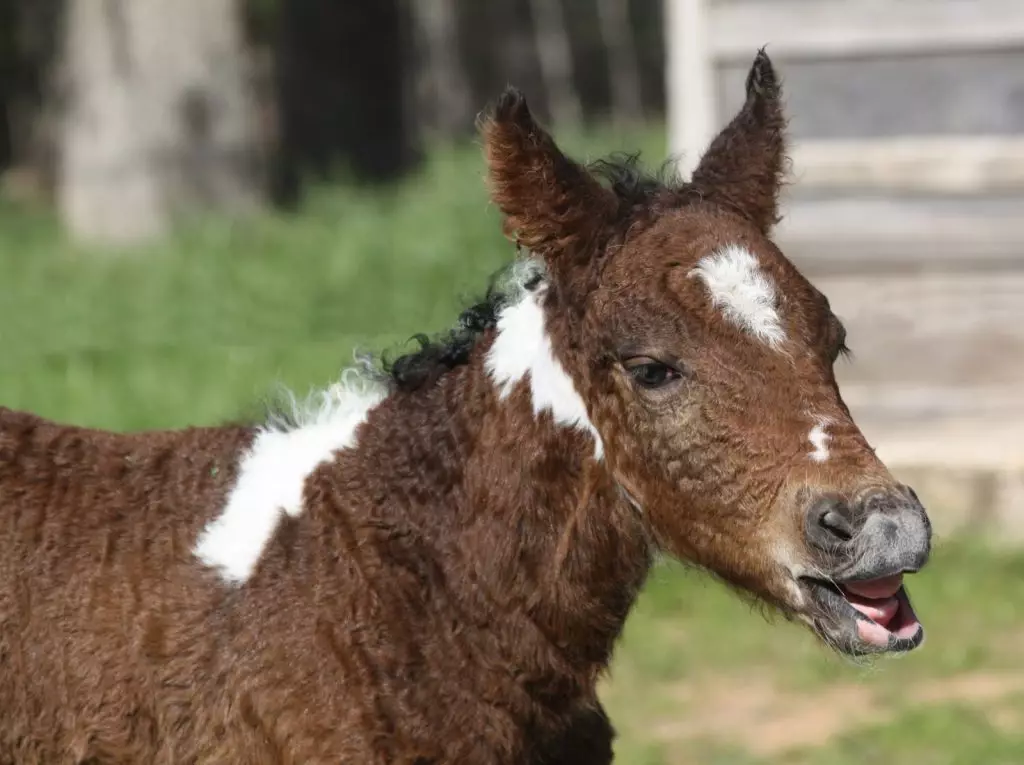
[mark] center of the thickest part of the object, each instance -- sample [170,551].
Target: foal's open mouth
[865,616]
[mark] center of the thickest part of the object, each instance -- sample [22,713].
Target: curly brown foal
[432,563]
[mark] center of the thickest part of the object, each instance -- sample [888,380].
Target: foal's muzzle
[862,550]
[882,533]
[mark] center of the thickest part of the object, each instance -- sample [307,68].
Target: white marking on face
[522,347]
[820,438]
[742,291]
[272,474]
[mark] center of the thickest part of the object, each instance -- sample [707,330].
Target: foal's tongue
[887,617]
[875,589]
[875,598]
[879,611]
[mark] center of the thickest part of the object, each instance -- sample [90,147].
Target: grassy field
[700,678]
[200,329]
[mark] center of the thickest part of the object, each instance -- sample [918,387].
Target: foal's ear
[744,165]
[552,205]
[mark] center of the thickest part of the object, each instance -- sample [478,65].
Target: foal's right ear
[552,205]
[744,166]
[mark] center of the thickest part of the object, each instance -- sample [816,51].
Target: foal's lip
[865,616]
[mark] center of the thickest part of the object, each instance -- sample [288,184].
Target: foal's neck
[533,532]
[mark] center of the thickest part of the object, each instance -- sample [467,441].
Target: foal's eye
[648,373]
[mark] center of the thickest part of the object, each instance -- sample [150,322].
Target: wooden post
[689,82]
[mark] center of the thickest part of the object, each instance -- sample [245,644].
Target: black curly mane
[438,355]
[634,187]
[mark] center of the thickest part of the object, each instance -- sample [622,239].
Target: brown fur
[456,583]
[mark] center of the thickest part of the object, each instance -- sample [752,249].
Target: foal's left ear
[552,205]
[744,166]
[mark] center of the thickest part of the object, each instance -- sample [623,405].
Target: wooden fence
[703,35]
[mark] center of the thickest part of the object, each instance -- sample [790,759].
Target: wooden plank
[841,28]
[931,164]
[891,234]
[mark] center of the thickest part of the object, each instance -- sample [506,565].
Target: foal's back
[75,500]
[95,537]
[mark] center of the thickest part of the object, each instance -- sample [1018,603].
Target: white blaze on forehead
[820,438]
[743,292]
[522,348]
[272,476]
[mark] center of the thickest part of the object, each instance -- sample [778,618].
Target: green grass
[699,674]
[193,329]
[199,329]
[951,734]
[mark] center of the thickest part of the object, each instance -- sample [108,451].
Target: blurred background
[203,199]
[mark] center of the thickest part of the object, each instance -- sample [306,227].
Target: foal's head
[705,361]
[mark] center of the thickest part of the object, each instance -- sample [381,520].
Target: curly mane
[634,186]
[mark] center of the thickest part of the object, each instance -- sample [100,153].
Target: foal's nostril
[829,523]
[834,521]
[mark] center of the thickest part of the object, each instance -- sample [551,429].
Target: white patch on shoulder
[522,347]
[820,438]
[743,292]
[272,473]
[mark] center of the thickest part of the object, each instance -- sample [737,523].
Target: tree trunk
[623,68]
[555,58]
[444,98]
[159,121]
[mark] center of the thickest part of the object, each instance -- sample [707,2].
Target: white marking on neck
[820,438]
[522,347]
[272,474]
[743,292]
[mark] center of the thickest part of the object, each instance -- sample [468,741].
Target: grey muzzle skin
[883,533]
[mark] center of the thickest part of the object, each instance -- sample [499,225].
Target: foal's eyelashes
[839,346]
